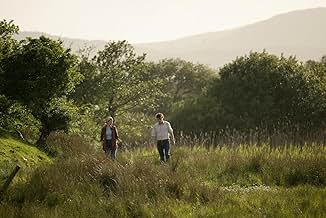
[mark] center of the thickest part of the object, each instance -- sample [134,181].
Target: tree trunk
[41,142]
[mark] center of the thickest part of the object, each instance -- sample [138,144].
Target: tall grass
[198,182]
[232,137]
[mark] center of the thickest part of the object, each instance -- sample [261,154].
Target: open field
[240,181]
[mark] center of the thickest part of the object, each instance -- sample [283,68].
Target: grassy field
[240,181]
[16,152]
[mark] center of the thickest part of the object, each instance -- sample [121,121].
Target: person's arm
[102,135]
[116,133]
[170,130]
[153,134]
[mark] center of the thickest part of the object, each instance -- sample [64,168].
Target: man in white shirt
[162,132]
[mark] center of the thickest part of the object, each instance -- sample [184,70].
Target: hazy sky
[142,20]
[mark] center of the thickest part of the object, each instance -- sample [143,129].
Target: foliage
[265,90]
[58,115]
[16,117]
[261,91]
[13,115]
[116,80]
[197,115]
[38,74]
[181,80]
[41,69]
[84,123]
[7,43]
[134,129]
[7,28]
[87,93]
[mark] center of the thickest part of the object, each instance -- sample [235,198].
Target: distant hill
[74,44]
[301,33]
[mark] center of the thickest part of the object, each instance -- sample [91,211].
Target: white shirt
[162,131]
[108,133]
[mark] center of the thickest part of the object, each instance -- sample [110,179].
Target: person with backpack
[109,138]
[162,134]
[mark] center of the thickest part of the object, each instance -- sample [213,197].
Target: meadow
[224,181]
[250,134]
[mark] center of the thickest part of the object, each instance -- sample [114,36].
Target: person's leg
[160,150]
[113,153]
[106,148]
[167,150]
[109,148]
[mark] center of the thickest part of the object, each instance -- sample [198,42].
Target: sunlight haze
[142,20]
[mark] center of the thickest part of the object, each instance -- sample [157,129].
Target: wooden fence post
[9,180]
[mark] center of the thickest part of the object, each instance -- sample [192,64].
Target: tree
[16,117]
[13,116]
[262,90]
[197,115]
[38,74]
[7,29]
[323,60]
[116,80]
[58,114]
[316,78]
[87,92]
[7,43]
[181,80]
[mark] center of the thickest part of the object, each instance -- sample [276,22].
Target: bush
[16,117]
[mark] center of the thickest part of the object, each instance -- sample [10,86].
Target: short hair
[159,115]
[109,118]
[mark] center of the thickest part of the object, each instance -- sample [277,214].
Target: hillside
[74,44]
[14,151]
[299,33]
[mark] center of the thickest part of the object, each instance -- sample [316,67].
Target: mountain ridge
[299,33]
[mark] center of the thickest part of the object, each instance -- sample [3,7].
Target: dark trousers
[109,149]
[163,147]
